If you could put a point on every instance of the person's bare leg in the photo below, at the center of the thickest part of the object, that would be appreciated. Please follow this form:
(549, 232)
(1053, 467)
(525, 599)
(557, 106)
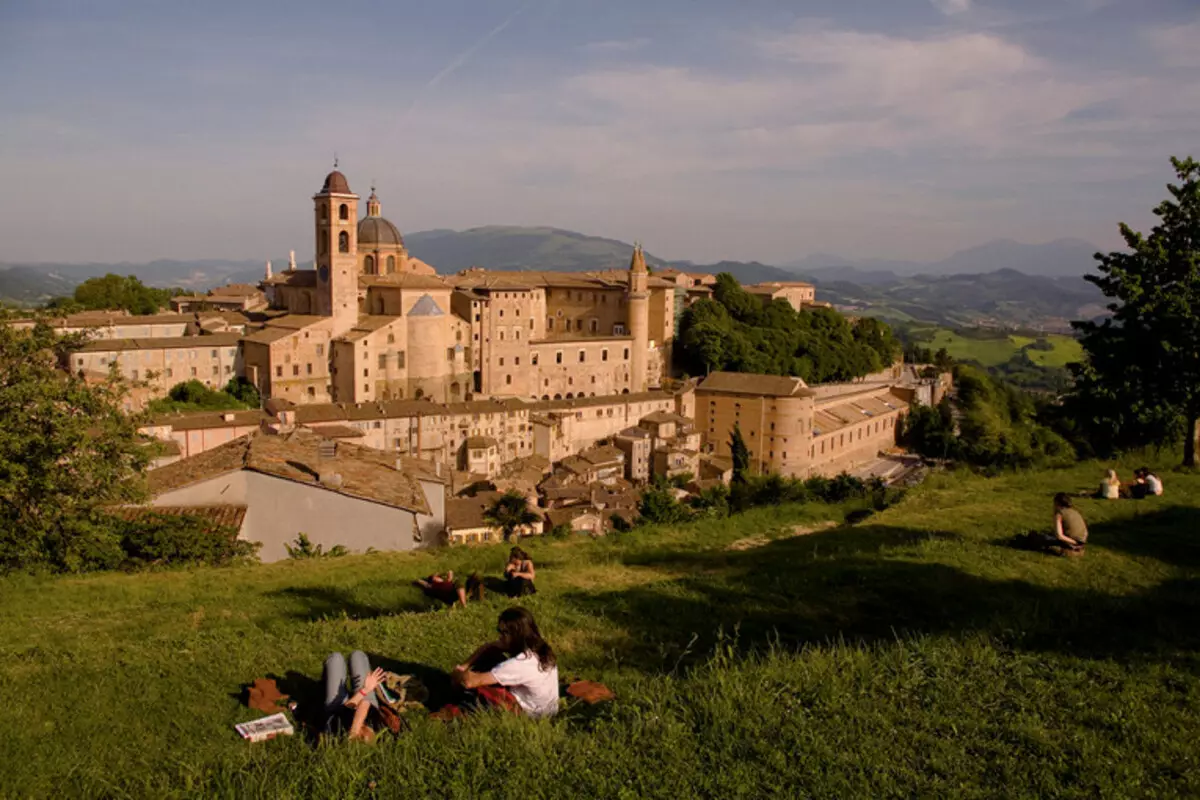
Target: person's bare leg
(462, 597)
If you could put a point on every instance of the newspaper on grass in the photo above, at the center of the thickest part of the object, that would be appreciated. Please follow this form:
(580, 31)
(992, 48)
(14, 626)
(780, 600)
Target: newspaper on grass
(266, 728)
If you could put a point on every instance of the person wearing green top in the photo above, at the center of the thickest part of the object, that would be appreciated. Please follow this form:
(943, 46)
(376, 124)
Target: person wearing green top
(1070, 531)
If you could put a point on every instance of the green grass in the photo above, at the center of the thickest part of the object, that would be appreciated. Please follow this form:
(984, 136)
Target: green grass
(910, 655)
(996, 351)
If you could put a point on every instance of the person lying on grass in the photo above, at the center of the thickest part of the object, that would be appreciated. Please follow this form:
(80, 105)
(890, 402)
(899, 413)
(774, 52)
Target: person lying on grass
(519, 574)
(517, 672)
(444, 588)
(347, 710)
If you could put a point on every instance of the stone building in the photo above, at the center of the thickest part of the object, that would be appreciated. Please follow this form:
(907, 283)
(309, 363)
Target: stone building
(797, 293)
(160, 363)
(789, 430)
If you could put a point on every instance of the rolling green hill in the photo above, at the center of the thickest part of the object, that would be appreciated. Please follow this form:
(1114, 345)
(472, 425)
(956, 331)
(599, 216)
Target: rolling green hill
(911, 655)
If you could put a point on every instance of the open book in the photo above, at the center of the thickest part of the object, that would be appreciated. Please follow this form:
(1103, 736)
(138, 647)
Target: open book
(265, 728)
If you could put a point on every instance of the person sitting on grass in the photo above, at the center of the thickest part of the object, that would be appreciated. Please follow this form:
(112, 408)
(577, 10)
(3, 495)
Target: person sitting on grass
(1148, 484)
(346, 711)
(1110, 487)
(517, 672)
(1070, 531)
(444, 588)
(519, 574)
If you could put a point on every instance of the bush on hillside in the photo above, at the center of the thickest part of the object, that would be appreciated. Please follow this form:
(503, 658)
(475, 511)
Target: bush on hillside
(195, 396)
(168, 540)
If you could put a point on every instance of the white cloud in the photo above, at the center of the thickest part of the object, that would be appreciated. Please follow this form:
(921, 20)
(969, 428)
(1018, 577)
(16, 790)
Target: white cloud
(952, 7)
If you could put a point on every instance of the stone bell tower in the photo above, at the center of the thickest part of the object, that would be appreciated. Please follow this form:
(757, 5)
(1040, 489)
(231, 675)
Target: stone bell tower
(336, 225)
(639, 319)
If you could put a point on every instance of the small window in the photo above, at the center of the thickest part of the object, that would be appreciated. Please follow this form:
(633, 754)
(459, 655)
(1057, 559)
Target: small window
(502, 313)
(343, 211)
(193, 372)
(549, 323)
(366, 388)
(343, 242)
(391, 264)
(558, 357)
(508, 380)
(392, 338)
(582, 356)
(383, 361)
(604, 354)
(400, 359)
(502, 362)
(320, 349)
(295, 369)
(626, 353)
(216, 370)
(278, 372)
(534, 359)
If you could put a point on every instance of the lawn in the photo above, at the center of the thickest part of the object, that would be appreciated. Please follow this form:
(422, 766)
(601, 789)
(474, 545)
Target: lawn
(910, 655)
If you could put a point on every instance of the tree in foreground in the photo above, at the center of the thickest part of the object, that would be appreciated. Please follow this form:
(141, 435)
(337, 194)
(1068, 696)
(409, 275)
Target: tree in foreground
(739, 453)
(510, 513)
(1141, 376)
(66, 451)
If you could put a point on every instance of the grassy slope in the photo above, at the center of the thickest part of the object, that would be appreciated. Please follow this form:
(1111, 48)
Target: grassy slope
(910, 655)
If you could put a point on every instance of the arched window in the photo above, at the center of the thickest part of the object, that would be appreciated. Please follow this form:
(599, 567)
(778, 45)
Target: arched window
(324, 212)
(343, 241)
(369, 265)
(343, 211)
(391, 264)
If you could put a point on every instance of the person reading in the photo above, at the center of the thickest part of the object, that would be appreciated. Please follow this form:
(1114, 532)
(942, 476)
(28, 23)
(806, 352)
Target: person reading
(519, 574)
(517, 672)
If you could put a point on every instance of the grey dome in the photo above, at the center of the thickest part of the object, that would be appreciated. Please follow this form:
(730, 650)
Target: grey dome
(377, 230)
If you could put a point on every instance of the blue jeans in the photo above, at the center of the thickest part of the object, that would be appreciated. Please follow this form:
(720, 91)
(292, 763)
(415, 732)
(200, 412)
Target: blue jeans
(333, 677)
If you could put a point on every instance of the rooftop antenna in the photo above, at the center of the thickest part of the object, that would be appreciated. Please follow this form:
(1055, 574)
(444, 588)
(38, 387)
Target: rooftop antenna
(335, 161)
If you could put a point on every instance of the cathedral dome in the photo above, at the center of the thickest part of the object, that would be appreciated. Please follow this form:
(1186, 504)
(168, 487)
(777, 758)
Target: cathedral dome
(378, 231)
(335, 183)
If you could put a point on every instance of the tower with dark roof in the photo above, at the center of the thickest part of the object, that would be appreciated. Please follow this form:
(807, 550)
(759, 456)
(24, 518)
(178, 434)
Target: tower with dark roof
(639, 319)
(336, 224)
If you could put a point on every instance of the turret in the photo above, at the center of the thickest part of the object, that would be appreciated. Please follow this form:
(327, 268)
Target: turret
(336, 224)
(639, 319)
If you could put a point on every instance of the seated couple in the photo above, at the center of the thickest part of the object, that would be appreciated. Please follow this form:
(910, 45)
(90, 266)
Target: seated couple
(1070, 533)
(517, 672)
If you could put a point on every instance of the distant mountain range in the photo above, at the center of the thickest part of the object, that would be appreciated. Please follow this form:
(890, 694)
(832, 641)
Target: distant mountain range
(998, 283)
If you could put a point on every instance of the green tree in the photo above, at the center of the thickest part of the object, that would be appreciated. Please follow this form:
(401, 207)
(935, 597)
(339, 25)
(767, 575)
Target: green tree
(739, 453)
(659, 505)
(510, 512)
(114, 292)
(1143, 364)
(244, 392)
(67, 450)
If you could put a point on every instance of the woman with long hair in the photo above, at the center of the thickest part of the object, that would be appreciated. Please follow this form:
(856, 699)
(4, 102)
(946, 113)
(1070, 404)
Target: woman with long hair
(519, 573)
(517, 672)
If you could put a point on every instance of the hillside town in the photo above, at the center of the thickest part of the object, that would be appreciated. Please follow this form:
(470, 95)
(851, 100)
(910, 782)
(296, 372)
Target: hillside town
(405, 400)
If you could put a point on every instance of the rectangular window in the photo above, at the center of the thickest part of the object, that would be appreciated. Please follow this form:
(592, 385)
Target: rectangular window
(366, 388)
(320, 349)
(558, 357)
(534, 359)
(604, 354)
(578, 324)
(508, 380)
(626, 353)
(582, 356)
(193, 372)
(216, 370)
(383, 360)
(228, 369)
(214, 353)
(549, 323)
(308, 368)
(400, 359)
(502, 362)
(295, 369)
(170, 373)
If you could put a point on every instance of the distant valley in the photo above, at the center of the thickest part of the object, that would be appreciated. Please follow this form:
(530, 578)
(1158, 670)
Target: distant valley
(1001, 283)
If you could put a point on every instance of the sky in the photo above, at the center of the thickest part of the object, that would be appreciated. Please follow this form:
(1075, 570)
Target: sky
(132, 130)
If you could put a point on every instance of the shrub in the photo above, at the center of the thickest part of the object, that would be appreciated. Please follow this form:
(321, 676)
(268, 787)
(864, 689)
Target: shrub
(169, 540)
(303, 547)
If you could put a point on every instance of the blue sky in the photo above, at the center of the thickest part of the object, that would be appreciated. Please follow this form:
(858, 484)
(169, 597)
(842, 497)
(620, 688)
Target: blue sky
(709, 129)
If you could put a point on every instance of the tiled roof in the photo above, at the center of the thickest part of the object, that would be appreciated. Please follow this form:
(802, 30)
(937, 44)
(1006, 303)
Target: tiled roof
(368, 324)
(603, 455)
(403, 280)
(235, 290)
(480, 442)
(834, 416)
(201, 420)
(467, 512)
(298, 277)
(161, 343)
(365, 473)
(634, 433)
(603, 400)
(754, 384)
(661, 417)
(225, 516)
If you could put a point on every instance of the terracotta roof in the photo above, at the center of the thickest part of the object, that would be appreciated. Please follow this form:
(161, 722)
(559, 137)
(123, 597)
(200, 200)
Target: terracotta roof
(282, 327)
(335, 183)
(754, 384)
(565, 516)
(833, 417)
(235, 290)
(467, 512)
(163, 343)
(602, 400)
(293, 277)
(336, 431)
(368, 324)
(202, 420)
(480, 442)
(634, 433)
(383, 409)
(225, 516)
(603, 455)
(661, 417)
(404, 280)
(366, 474)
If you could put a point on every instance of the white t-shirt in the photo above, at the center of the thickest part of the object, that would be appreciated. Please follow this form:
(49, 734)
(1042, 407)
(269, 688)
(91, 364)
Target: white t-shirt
(1154, 483)
(535, 690)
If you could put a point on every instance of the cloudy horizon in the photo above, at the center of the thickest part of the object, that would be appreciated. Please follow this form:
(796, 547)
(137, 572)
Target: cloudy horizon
(903, 129)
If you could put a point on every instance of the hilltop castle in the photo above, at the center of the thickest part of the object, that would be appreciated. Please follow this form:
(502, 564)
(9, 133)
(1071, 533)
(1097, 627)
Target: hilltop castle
(369, 322)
